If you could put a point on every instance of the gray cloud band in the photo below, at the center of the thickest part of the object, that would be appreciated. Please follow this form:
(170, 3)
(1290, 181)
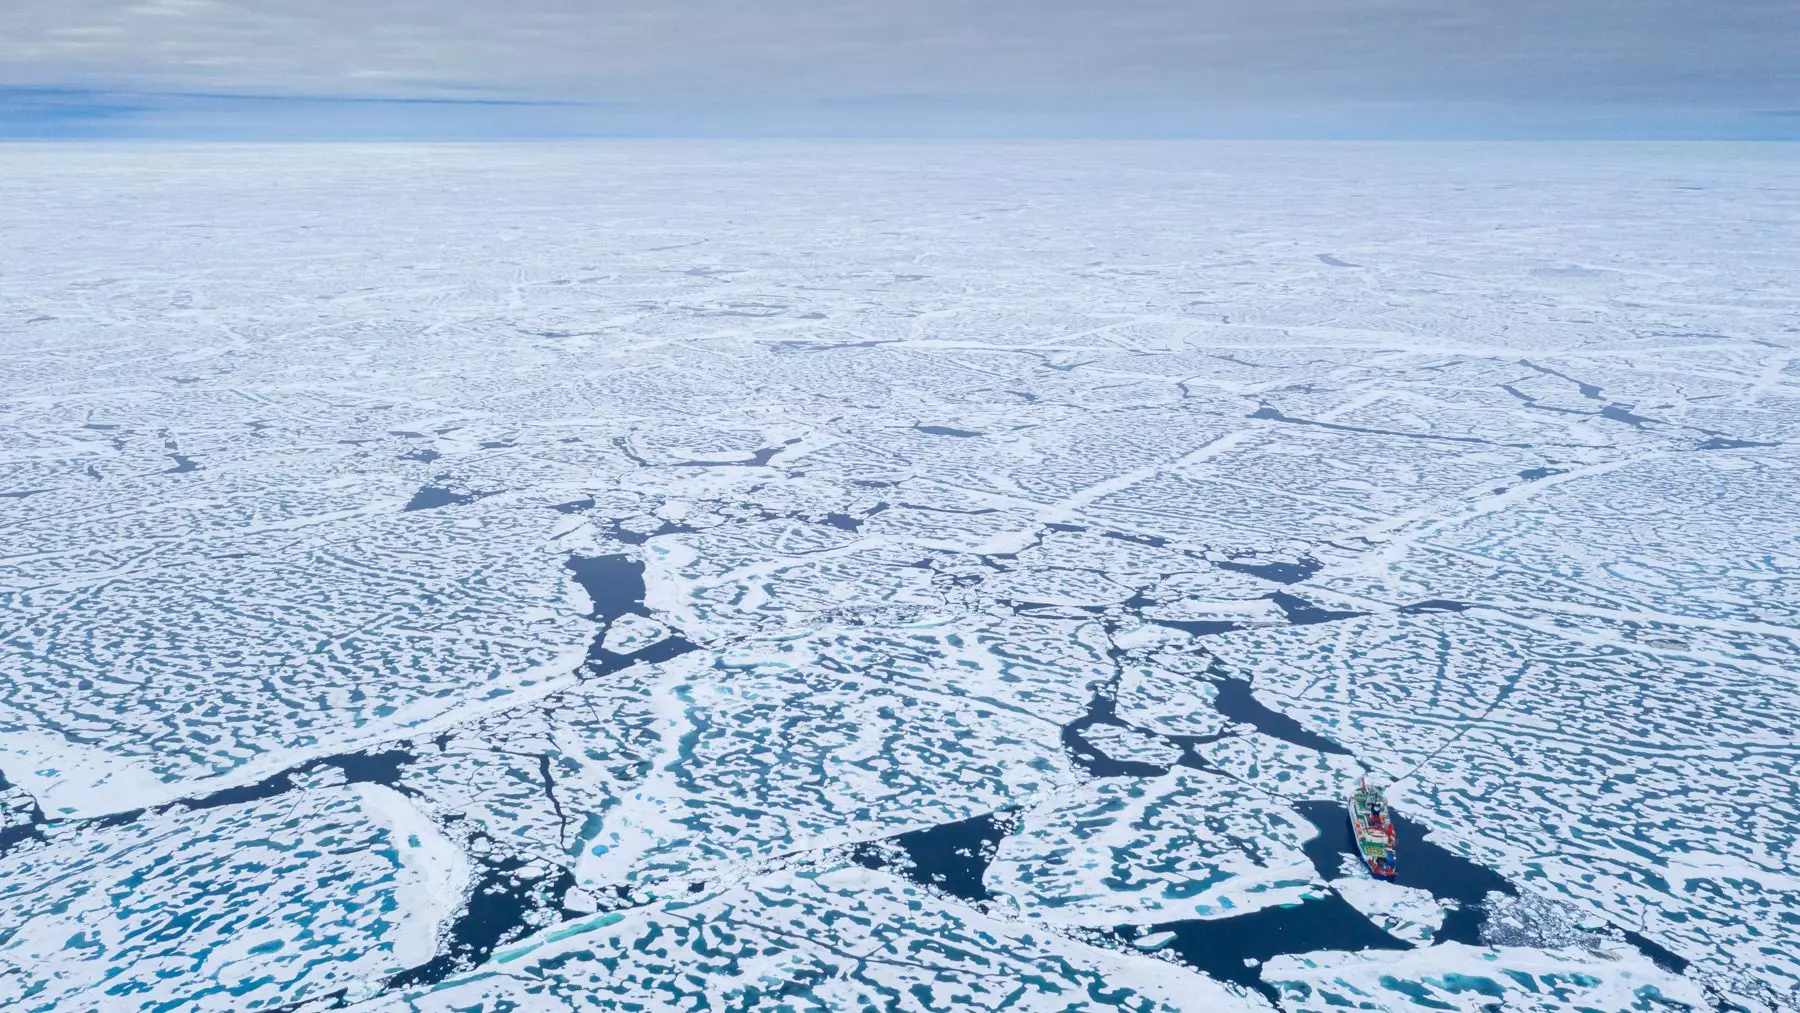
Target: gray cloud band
(1217, 53)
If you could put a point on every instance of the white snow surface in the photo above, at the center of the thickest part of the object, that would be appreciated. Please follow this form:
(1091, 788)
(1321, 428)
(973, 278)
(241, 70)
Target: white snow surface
(434, 878)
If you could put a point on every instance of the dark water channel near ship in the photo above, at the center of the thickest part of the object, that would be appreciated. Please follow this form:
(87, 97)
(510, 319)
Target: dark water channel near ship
(1233, 949)
(953, 857)
(1446, 875)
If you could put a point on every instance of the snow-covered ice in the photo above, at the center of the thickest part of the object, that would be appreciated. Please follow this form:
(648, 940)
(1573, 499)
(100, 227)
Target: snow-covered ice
(509, 577)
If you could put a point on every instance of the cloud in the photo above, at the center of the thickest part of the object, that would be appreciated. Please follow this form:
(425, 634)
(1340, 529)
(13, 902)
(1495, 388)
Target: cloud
(1184, 55)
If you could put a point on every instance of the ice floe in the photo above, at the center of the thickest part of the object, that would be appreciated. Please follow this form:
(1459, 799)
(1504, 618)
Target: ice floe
(526, 578)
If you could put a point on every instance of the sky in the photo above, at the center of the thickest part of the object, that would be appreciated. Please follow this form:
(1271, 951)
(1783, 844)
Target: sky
(474, 68)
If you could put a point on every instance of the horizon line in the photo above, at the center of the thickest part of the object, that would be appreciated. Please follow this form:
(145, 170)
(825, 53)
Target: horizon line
(48, 112)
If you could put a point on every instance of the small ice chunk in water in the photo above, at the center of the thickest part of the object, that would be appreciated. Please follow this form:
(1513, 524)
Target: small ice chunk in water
(632, 633)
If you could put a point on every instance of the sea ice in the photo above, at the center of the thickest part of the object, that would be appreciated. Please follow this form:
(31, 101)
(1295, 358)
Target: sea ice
(527, 576)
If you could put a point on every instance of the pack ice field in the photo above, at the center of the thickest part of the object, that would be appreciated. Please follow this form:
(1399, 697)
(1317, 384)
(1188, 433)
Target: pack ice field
(892, 577)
